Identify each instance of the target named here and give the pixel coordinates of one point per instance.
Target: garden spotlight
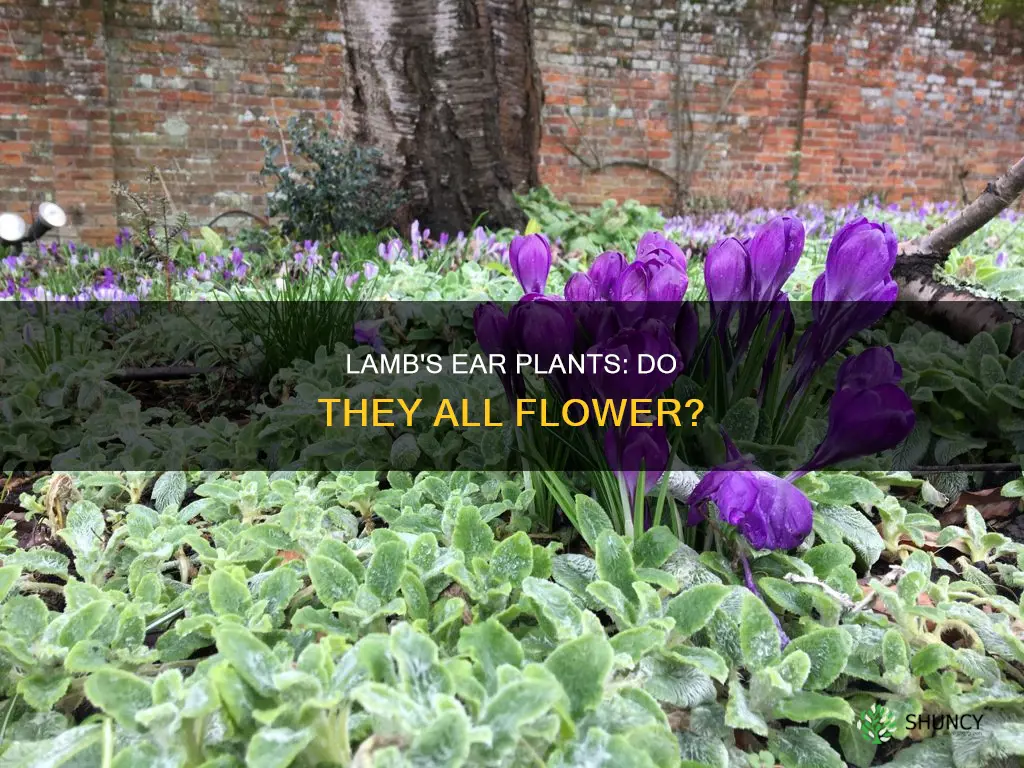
(13, 229)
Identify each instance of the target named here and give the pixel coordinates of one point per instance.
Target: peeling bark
(449, 91)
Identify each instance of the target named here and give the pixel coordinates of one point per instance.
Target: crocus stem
(627, 509)
(748, 579)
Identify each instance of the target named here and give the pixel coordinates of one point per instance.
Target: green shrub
(328, 185)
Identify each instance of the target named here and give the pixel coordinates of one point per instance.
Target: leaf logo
(876, 724)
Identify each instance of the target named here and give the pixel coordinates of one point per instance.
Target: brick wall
(896, 103)
(98, 91)
(639, 95)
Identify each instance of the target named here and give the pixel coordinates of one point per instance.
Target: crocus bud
(774, 251)
(492, 329)
(630, 293)
(530, 257)
(581, 288)
(727, 272)
(543, 327)
(860, 258)
(605, 271)
(649, 338)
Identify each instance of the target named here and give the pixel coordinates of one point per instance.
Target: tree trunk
(450, 92)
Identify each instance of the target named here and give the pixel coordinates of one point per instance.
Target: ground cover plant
(635, 614)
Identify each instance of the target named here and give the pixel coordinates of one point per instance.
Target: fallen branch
(955, 311)
(849, 607)
(997, 197)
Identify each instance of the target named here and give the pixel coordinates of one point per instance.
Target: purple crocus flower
(869, 412)
(859, 264)
(368, 332)
(769, 511)
(580, 287)
(774, 252)
(727, 272)
(494, 334)
(650, 337)
(543, 327)
(530, 258)
(632, 285)
(855, 290)
(635, 448)
(654, 246)
(605, 271)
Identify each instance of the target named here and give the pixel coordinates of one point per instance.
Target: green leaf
(169, 490)
(759, 637)
(936, 752)
(277, 747)
(516, 704)
(794, 669)
(738, 712)
(279, 588)
(558, 615)
(489, 645)
(844, 523)
(421, 674)
(844, 488)
(384, 573)
(894, 651)
(444, 743)
(64, 750)
(802, 748)
(81, 624)
(512, 560)
(42, 689)
(828, 650)
(591, 519)
(999, 738)
(704, 659)
(212, 240)
(120, 694)
(803, 706)
(674, 682)
(472, 535)
(332, 581)
(582, 666)
(637, 642)
(42, 561)
(932, 658)
(654, 546)
(612, 601)
(1015, 488)
(252, 660)
(615, 563)
(740, 422)
(228, 595)
(9, 575)
(825, 558)
(84, 529)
